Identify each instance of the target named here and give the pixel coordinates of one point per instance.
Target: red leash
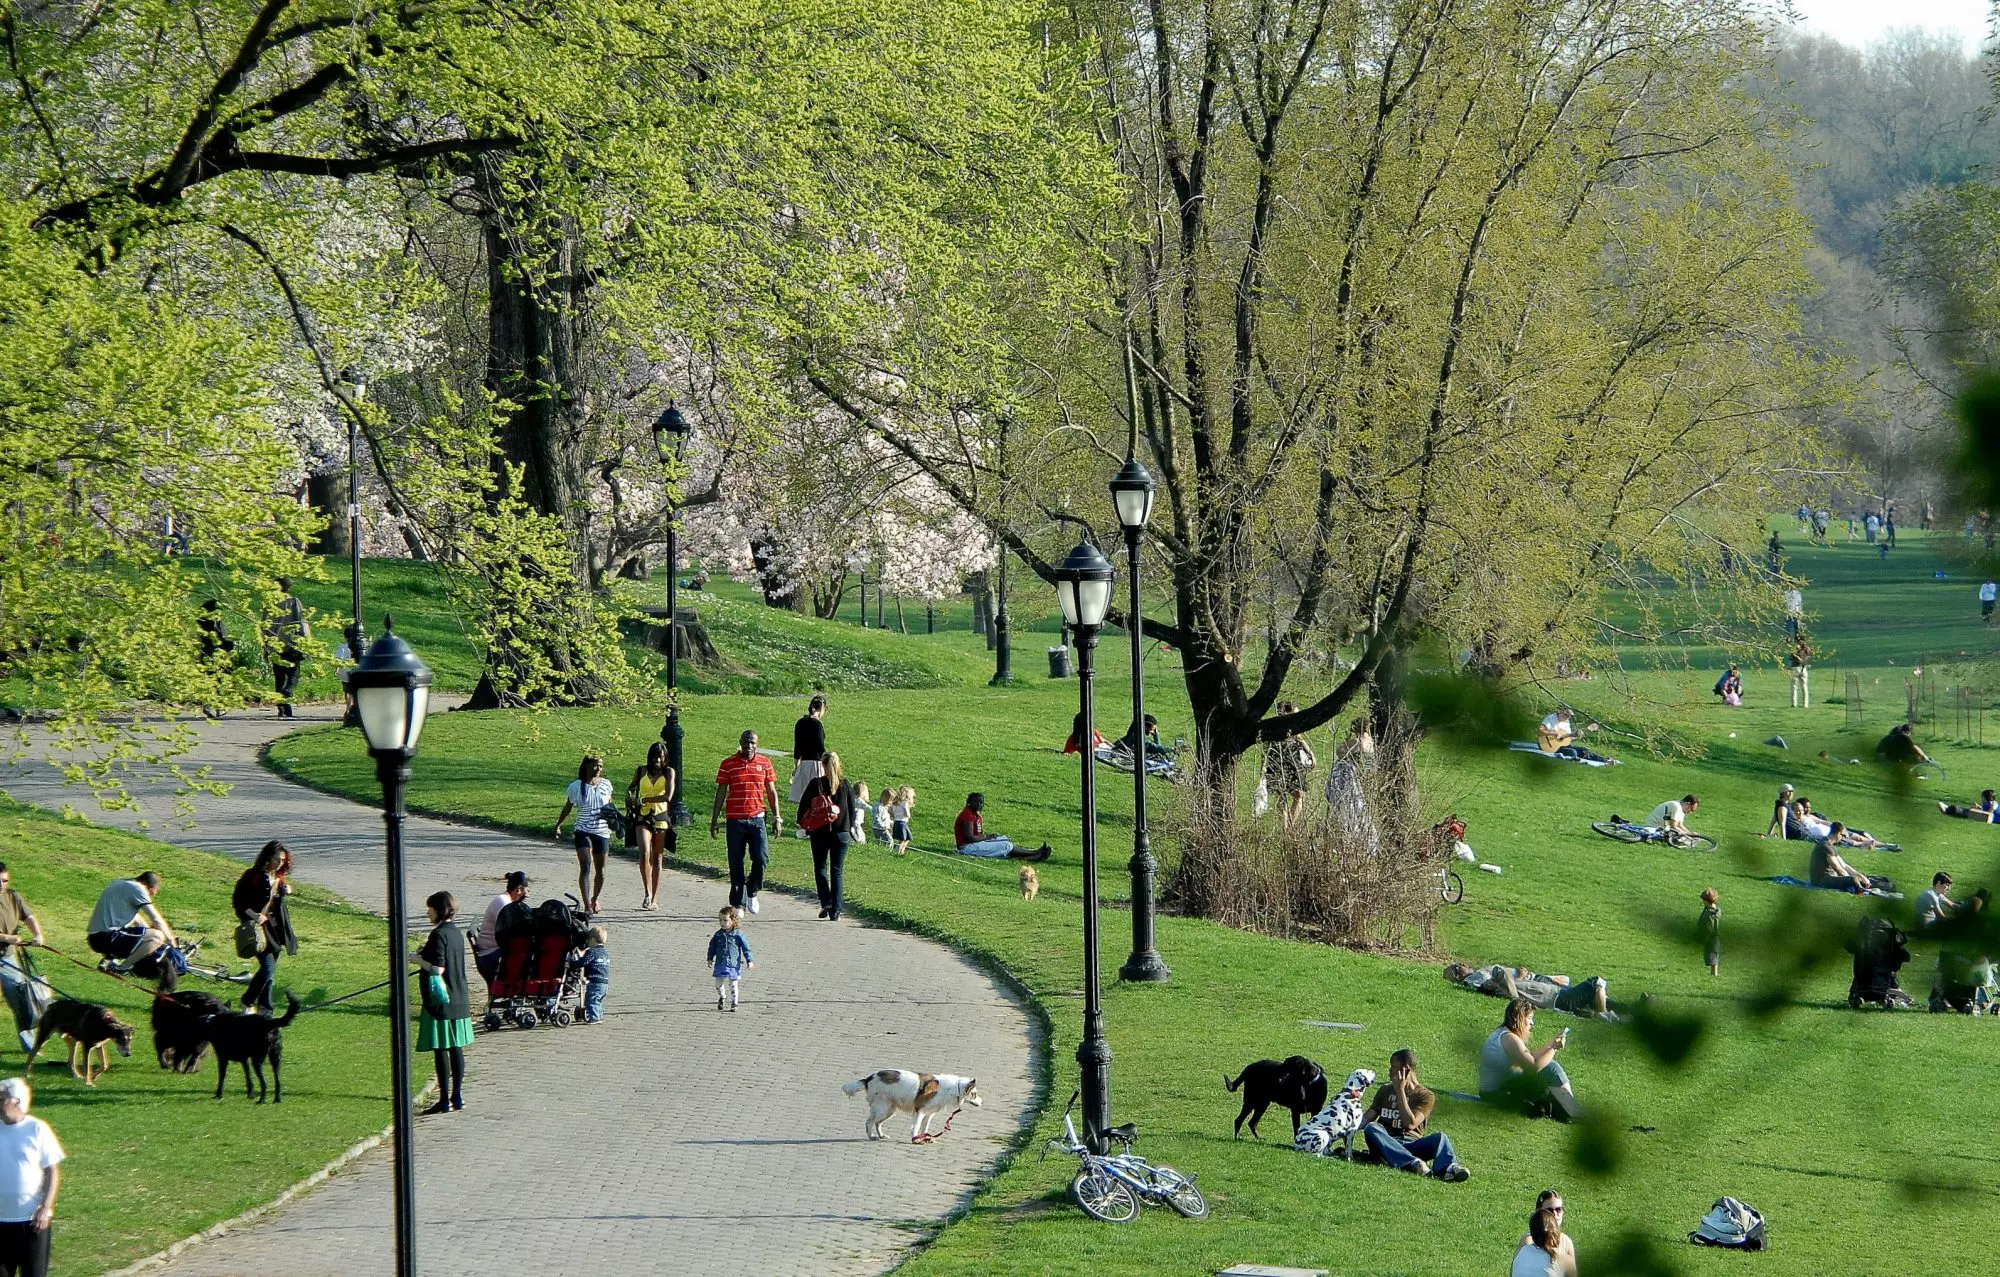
(928, 1136)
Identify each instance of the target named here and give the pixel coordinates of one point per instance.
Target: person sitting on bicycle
(1827, 869)
(1671, 816)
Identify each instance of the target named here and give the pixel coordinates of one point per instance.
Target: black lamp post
(392, 691)
(356, 382)
(1132, 493)
(1084, 585)
(672, 430)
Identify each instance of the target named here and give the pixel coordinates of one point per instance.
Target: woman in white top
(1541, 1254)
(589, 796)
(1564, 1249)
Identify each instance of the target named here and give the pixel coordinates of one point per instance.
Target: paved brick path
(668, 1139)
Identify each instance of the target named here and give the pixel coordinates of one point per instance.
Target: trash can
(1059, 662)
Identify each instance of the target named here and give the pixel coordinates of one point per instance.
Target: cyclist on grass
(1671, 816)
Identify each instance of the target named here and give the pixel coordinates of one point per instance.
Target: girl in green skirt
(446, 1027)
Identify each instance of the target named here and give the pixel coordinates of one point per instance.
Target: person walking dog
(259, 902)
(18, 927)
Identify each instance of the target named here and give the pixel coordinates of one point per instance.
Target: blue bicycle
(1111, 1187)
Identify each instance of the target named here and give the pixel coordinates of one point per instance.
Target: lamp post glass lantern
(1084, 585)
(392, 694)
(670, 432)
(1132, 494)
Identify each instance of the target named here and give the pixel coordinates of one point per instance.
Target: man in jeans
(1394, 1125)
(745, 785)
(30, 1174)
(18, 926)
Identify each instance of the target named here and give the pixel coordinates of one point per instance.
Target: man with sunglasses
(1565, 1249)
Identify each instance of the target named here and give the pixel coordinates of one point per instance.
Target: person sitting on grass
(1781, 813)
(1730, 687)
(1074, 744)
(1512, 1071)
(1129, 742)
(969, 832)
(1987, 809)
(1558, 1242)
(1557, 730)
(1672, 815)
(1541, 1252)
(1827, 869)
(1559, 993)
(1936, 905)
(1394, 1124)
(1900, 747)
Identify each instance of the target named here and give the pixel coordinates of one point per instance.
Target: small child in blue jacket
(729, 955)
(596, 975)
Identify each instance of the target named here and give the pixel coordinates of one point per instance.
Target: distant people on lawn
(1709, 926)
(285, 635)
(589, 796)
(650, 797)
(445, 1028)
(1730, 686)
(1799, 662)
(1591, 997)
(746, 789)
(1286, 763)
(969, 833)
(503, 913)
(1394, 1125)
(1512, 1071)
(808, 746)
(1987, 809)
(31, 1167)
(1989, 590)
(114, 930)
(18, 927)
(1826, 868)
(1936, 905)
(260, 900)
(1900, 747)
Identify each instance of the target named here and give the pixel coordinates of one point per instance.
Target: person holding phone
(1510, 1069)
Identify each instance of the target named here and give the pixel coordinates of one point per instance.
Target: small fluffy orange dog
(1030, 882)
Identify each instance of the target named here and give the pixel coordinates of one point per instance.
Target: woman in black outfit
(829, 844)
(260, 898)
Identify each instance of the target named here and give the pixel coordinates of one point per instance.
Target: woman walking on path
(446, 1027)
(259, 899)
(728, 955)
(589, 796)
(651, 795)
(830, 815)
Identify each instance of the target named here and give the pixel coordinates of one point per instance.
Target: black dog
(180, 1024)
(250, 1039)
(1295, 1083)
(90, 1030)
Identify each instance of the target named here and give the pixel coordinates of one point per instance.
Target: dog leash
(168, 997)
(928, 1136)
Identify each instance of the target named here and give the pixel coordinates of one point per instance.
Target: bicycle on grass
(1632, 831)
(1111, 1187)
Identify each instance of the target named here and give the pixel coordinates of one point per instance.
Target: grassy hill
(1825, 1119)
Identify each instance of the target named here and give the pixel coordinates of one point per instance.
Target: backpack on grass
(1732, 1225)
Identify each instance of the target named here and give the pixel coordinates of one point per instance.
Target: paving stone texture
(669, 1139)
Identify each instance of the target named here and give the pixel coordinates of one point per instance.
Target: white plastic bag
(1262, 802)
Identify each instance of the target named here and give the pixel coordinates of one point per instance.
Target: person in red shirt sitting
(745, 787)
(1076, 730)
(969, 831)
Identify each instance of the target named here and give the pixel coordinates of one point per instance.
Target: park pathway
(667, 1139)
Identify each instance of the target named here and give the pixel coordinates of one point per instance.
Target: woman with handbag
(263, 923)
(828, 814)
(445, 1028)
(650, 799)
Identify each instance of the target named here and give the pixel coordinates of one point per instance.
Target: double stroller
(1880, 949)
(539, 977)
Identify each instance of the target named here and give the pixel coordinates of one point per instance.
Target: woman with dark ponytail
(446, 1027)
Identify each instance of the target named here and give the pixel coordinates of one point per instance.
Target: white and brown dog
(923, 1095)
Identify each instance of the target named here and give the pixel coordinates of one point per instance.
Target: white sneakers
(27, 1039)
(752, 902)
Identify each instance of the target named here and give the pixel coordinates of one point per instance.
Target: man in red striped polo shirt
(745, 788)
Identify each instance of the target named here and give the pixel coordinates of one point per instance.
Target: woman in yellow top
(651, 794)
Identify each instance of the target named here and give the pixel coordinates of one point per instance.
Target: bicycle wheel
(1694, 842)
(1101, 1195)
(1618, 831)
(1179, 1192)
(1451, 887)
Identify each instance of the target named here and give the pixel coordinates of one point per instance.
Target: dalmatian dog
(1339, 1122)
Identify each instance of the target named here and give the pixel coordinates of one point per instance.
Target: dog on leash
(1031, 882)
(90, 1030)
(1294, 1083)
(922, 1095)
(246, 1038)
(1339, 1122)
(180, 1021)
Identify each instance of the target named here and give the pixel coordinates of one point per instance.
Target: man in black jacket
(808, 745)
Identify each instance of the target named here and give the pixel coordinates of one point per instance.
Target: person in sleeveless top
(1511, 1069)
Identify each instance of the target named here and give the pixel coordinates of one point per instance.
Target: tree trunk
(930, 616)
(864, 598)
(900, 627)
(327, 493)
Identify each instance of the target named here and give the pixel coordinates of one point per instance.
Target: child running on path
(1710, 924)
(729, 954)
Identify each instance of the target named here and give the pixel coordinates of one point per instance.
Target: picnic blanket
(1786, 880)
(1530, 747)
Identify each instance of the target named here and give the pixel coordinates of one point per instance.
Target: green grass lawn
(152, 1156)
(1833, 1123)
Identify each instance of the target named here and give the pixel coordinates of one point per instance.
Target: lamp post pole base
(1146, 968)
(675, 736)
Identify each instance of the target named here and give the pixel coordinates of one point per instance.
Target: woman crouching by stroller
(446, 1027)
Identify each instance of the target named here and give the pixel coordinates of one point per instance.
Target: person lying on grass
(1987, 809)
(1817, 828)
(1558, 992)
(1826, 869)
(1512, 1072)
(1394, 1124)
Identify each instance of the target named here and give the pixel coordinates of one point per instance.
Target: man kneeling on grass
(1394, 1125)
